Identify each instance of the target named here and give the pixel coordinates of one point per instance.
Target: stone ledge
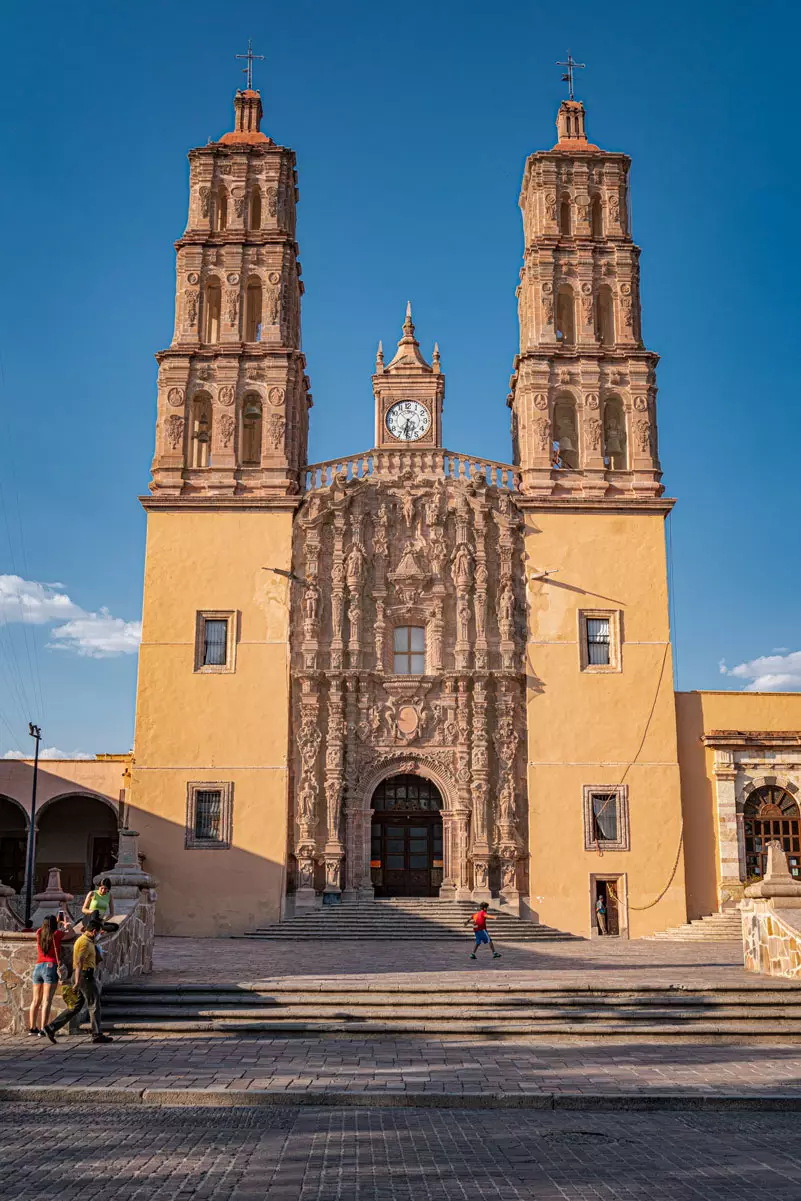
(387, 1099)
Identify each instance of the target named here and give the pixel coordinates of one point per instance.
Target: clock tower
(408, 395)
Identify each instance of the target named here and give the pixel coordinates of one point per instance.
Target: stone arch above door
(374, 773)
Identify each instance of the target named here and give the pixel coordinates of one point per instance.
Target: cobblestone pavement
(47, 1152)
(400, 1065)
(230, 960)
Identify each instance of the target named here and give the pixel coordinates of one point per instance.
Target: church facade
(413, 671)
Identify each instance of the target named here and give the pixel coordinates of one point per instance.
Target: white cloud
(769, 673)
(49, 752)
(97, 636)
(26, 600)
(91, 635)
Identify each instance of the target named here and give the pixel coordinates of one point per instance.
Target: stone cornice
(734, 739)
(612, 504)
(219, 504)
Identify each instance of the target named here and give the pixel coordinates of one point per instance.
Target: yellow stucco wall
(586, 729)
(197, 727)
(698, 713)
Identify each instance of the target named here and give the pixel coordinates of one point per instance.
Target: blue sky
(411, 124)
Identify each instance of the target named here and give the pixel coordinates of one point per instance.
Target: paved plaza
(602, 961)
(390, 1155)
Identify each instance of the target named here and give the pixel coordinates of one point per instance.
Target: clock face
(408, 420)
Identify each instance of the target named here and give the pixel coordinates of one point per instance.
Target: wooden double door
(406, 854)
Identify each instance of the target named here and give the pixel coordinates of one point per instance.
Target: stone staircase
(413, 918)
(716, 927)
(473, 1010)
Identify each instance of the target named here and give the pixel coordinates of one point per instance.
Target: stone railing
(441, 464)
(771, 916)
(127, 953)
(127, 949)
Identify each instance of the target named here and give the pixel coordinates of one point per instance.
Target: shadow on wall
(698, 808)
(210, 892)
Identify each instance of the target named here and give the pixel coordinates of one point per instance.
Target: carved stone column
(334, 780)
(480, 773)
(338, 593)
(309, 738)
(730, 868)
(506, 741)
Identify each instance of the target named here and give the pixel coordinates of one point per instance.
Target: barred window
(606, 818)
(209, 814)
(600, 640)
(215, 644)
(409, 646)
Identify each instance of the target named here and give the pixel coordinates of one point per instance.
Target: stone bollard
(9, 918)
(51, 899)
(128, 881)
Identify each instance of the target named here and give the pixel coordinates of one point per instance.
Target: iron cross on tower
(250, 56)
(567, 78)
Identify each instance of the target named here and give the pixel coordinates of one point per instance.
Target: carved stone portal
(439, 555)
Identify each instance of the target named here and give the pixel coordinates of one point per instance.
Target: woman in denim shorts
(45, 974)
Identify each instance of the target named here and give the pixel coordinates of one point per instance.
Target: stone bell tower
(583, 393)
(212, 715)
(409, 395)
(233, 395)
(601, 724)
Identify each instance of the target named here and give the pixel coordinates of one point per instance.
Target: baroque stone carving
(276, 427)
(175, 397)
(227, 427)
(276, 396)
(226, 395)
(174, 429)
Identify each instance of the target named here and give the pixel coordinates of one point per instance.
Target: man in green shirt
(84, 962)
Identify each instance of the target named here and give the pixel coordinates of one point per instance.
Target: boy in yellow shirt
(84, 962)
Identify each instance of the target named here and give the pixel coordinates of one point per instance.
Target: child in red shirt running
(479, 920)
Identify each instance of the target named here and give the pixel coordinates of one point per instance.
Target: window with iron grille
(606, 818)
(409, 651)
(215, 644)
(599, 640)
(209, 816)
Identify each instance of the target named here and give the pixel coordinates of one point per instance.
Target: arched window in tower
(605, 309)
(565, 217)
(596, 217)
(565, 316)
(615, 441)
(221, 210)
(251, 432)
(255, 209)
(213, 305)
(201, 431)
(253, 303)
(565, 434)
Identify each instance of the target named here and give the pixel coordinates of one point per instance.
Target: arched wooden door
(406, 838)
(771, 815)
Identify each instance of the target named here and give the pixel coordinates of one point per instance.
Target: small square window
(606, 818)
(209, 815)
(215, 642)
(409, 646)
(599, 640)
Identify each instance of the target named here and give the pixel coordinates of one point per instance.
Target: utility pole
(35, 732)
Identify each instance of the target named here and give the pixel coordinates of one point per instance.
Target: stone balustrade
(771, 917)
(127, 950)
(441, 464)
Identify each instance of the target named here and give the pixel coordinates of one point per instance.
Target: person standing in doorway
(100, 901)
(600, 913)
(479, 920)
(84, 962)
(46, 972)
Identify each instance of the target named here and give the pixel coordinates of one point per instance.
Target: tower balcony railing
(420, 464)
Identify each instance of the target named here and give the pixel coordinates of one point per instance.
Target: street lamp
(36, 733)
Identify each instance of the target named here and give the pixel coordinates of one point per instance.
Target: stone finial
(126, 876)
(570, 126)
(435, 363)
(51, 899)
(408, 326)
(247, 119)
(408, 353)
(379, 359)
(778, 880)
